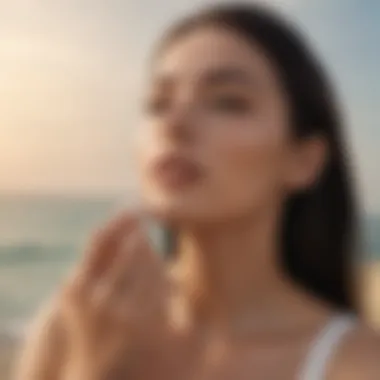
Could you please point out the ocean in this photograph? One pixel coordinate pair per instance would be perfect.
(41, 237)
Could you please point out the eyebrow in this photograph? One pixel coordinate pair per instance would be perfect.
(212, 77)
(226, 75)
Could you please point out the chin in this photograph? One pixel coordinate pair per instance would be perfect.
(177, 210)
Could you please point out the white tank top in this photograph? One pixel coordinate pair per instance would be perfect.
(324, 347)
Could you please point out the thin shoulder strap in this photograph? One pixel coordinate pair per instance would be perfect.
(324, 346)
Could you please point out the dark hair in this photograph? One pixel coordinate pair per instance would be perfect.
(320, 224)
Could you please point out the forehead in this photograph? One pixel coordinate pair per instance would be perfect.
(209, 49)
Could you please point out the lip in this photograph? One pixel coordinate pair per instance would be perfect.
(176, 171)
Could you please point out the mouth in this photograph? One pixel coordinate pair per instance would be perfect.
(176, 171)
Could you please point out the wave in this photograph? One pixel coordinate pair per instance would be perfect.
(34, 252)
(15, 330)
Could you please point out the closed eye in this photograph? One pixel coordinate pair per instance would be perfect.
(230, 103)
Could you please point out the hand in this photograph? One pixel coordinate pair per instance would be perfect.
(116, 303)
(43, 353)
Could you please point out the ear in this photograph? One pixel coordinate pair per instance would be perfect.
(308, 160)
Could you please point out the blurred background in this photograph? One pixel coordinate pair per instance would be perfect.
(71, 76)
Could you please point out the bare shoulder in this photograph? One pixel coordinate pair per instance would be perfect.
(358, 357)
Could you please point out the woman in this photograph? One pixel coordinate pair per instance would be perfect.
(242, 157)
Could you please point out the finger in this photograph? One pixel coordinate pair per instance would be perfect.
(106, 240)
(102, 249)
(143, 287)
(130, 263)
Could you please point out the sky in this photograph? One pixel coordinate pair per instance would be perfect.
(72, 74)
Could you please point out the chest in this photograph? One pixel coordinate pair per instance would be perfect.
(261, 362)
(217, 361)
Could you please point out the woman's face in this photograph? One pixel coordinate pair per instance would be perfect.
(216, 141)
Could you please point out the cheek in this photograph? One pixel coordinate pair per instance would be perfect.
(251, 159)
(148, 142)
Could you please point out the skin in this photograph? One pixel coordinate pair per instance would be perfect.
(222, 309)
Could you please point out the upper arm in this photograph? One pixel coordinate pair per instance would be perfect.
(42, 354)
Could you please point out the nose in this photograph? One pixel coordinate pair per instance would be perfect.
(178, 124)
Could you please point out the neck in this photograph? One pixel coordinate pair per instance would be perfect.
(231, 277)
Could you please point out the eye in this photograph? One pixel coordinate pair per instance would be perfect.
(230, 103)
